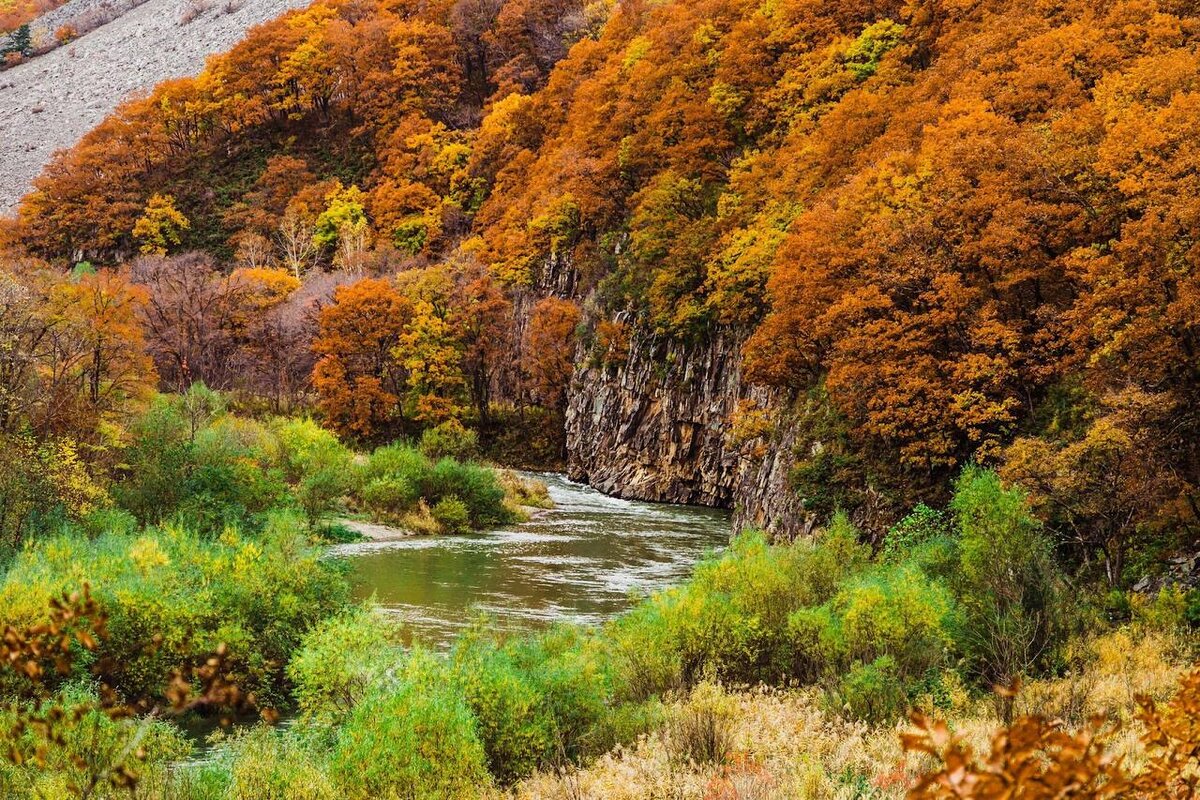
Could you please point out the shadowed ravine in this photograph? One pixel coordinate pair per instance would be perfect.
(581, 561)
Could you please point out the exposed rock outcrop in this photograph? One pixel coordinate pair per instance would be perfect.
(659, 428)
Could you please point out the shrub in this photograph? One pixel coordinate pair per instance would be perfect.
(260, 763)
(730, 621)
(398, 460)
(42, 485)
(452, 514)
(1164, 611)
(257, 596)
(476, 486)
(193, 462)
(88, 743)
(893, 611)
(921, 526)
(338, 661)
(158, 460)
(874, 691)
(116, 521)
(520, 492)
(415, 738)
(305, 449)
(389, 495)
(647, 664)
(513, 722)
(449, 440)
(1007, 582)
(1191, 611)
(575, 684)
(319, 492)
(397, 478)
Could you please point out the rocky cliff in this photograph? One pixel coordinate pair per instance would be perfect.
(659, 427)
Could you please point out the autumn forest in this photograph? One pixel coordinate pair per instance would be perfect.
(933, 267)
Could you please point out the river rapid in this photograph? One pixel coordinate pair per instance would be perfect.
(583, 561)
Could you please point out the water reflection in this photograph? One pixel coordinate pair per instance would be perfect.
(580, 561)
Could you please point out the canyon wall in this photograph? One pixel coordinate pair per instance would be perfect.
(658, 428)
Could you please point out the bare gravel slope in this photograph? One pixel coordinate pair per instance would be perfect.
(51, 101)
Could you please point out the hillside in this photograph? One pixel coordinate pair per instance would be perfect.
(910, 287)
(782, 258)
(52, 100)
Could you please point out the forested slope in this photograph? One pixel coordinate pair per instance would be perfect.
(918, 234)
(87, 56)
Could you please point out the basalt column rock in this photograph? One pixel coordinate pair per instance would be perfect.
(658, 428)
(654, 428)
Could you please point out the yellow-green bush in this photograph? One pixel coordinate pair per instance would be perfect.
(257, 595)
(339, 660)
(413, 738)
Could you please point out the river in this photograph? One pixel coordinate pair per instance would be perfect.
(582, 561)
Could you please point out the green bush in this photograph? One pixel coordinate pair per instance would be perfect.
(338, 661)
(452, 514)
(304, 449)
(319, 492)
(1191, 611)
(514, 725)
(874, 691)
(116, 521)
(1007, 580)
(389, 495)
(192, 462)
(730, 621)
(88, 743)
(890, 625)
(396, 460)
(576, 686)
(475, 486)
(922, 526)
(258, 763)
(158, 461)
(413, 738)
(257, 596)
(232, 473)
(449, 440)
(394, 478)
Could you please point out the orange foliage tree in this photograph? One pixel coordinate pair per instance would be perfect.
(549, 351)
(99, 357)
(936, 219)
(357, 380)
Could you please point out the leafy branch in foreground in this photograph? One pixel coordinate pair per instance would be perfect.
(37, 660)
(1037, 759)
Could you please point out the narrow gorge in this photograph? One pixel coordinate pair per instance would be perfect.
(659, 427)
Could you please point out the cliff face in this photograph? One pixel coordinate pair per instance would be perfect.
(659, 428)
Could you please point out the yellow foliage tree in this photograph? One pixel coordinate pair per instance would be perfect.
(161, 225)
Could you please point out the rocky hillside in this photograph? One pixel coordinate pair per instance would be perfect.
(50, 101)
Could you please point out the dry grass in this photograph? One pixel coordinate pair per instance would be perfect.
(521, 493)
(1107, 673)
(765, 744)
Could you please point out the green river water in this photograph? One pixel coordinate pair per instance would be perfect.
(583, 561)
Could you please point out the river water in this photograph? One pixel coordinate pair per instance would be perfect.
(583, 561)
